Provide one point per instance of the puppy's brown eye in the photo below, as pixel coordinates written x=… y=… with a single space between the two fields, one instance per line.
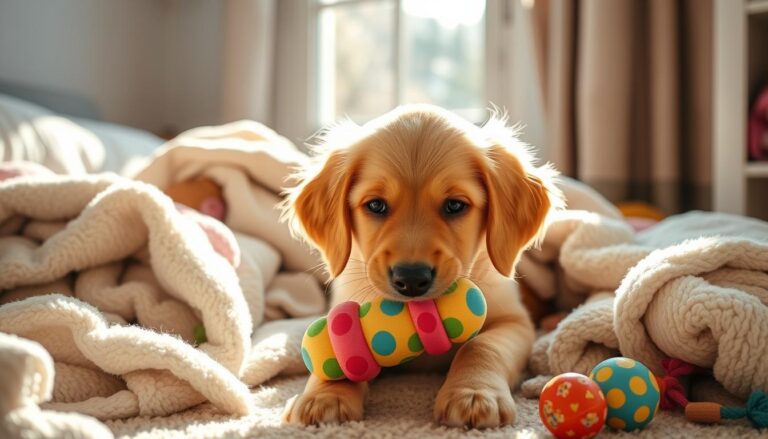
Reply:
x=377 y=206
x=453 y=207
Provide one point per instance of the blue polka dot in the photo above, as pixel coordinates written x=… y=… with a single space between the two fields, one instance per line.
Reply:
x=383 y=343
x=475 y=302
x=391 y=308
x=307 y=360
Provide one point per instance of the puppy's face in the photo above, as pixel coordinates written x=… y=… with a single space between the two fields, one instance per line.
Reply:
x=419 y=193
x=417 y=212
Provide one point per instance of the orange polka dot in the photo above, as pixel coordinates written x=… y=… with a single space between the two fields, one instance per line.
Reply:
x=615 y=398
x=603 y=374
x=617 y=423
x=654 y=383
x=642 y=413
x=637 y=386
x=626 y=363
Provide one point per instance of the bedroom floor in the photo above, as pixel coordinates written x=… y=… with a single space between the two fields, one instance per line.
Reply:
x=398 y=406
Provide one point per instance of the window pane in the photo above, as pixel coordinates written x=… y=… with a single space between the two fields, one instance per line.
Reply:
x=444 y=53
x=355 y=60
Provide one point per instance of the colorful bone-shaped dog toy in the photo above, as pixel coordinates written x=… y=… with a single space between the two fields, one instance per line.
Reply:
x=354 y=341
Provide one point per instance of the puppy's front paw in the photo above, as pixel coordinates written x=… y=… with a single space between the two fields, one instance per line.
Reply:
x=478 y=407
x=312 y=408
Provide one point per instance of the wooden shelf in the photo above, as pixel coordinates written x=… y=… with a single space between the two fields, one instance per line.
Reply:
x=757 y=6
x=757 y=169
x=740 y=68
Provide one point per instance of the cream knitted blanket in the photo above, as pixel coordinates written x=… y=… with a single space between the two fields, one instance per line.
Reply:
x=694 y=287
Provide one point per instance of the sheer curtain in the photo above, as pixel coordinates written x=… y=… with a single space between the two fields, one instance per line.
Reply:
x=627 y=96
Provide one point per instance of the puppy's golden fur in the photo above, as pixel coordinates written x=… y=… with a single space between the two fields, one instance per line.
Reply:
x=414 y=159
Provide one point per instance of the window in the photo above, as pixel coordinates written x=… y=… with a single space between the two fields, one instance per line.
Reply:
x=360 y=58
x=372 y=55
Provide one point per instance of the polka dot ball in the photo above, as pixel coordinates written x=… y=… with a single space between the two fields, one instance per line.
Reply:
x=390 y=331
x=631 y=391
x=572 y=406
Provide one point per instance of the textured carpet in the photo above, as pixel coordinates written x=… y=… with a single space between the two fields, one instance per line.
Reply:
x=398 y=407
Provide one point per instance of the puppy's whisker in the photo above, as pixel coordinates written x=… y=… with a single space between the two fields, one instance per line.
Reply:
x=363 y=280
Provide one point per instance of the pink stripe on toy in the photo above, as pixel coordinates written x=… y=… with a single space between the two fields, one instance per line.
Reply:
x=348 y=342
x=428 y=325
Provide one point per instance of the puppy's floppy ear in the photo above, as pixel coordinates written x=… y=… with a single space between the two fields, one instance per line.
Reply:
x=519 y=198
x=319 y=205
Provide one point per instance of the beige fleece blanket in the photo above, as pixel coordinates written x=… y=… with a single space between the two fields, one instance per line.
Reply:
x=694 y=287
x=137 y=279
x=122 y=246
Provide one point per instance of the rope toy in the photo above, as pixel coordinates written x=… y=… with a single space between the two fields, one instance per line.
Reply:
x=756 y=411
x=355 y=340
x=673 y=392
x=673 y=395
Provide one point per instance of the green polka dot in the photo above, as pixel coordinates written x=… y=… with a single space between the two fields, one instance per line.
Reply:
x=453 y=327
x=332 y=369
x=391 y=308
x=414 y=343
x=316 y=327
x=364 y=308
x=307 y=360
x=452 y=288
x=474 y=334
x=407 y=359
x=475 y=302
x=383 y=343
x=199 y=334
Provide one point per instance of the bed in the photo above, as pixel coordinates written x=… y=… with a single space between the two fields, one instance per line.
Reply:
x=167 y=323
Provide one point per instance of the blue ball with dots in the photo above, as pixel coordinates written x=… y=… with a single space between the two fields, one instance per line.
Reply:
x=631 y=392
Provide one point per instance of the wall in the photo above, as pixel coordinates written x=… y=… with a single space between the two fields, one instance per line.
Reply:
x=151 y=64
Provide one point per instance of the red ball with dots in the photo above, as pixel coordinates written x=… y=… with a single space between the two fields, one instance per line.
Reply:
x=572 y=406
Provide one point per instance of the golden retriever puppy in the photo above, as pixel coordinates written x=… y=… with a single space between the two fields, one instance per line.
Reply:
x=401 y=207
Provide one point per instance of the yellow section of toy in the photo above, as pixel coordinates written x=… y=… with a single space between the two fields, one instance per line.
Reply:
x=317 y=352
x=462 y=309
x=389 y=332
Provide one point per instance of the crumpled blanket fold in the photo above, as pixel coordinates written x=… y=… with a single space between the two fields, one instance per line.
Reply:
x=137 y=277
x=693 y=287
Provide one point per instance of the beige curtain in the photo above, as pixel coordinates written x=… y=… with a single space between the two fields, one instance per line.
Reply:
x=627 y=96
x=248 y=60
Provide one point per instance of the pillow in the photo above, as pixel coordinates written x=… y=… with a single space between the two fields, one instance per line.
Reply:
x=29 y=132
x=124 y=146
x=32 y=133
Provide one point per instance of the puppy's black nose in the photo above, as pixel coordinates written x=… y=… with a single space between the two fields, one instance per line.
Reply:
x=411 y=280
